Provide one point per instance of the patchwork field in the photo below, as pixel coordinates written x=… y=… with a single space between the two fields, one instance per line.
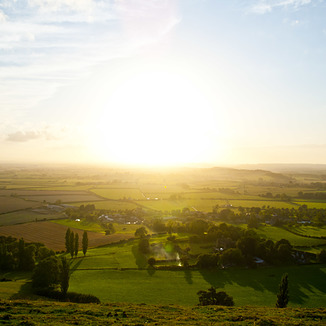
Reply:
x=9 y=204
x=53 y=235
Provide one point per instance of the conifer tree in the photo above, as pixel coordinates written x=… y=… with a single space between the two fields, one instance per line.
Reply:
x=72 y=244
x=68 y=240
x=283 y=294
x=85 y=242
x=76 y=247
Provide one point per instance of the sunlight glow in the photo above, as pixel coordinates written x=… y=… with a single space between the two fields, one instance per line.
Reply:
x=153 y=118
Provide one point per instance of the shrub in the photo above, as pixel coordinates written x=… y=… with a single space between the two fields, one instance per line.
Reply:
x=70 y=296
x=211 y=297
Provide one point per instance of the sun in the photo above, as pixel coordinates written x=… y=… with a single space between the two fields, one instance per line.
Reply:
x=154 y=117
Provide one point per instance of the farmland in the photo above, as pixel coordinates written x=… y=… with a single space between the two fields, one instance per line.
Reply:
x=39 y=206
x=52 y=234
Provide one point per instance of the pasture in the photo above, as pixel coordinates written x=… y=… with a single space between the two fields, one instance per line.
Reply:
x=119 y=193
x=275 y=233
x=307 y=285
x=115 y=205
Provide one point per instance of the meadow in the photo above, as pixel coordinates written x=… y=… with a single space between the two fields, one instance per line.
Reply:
x=248 y=287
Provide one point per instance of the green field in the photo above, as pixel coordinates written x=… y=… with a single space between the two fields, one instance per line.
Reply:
x=83 y=225
x=119 y=193
x=308 y=230
x=275 y=233
x=109 y=204
x=248 y=287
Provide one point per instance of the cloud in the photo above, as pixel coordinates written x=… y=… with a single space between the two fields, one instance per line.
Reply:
x=20 y=136
x=48 y=44
x=265 y=6
x=25 y=136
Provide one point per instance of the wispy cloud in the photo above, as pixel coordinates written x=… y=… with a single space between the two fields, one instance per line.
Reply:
x=47 y=44
x=265 y=6
x=20 y=136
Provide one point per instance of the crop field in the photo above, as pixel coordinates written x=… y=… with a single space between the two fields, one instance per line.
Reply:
x=27 y=216
x=109 y=204
x=53 y=235
x=64 y=198
x=307 y=285
x=119 y=193
x=276 y=234
x=9 y=204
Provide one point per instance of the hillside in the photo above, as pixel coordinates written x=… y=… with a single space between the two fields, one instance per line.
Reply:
x=54 y=313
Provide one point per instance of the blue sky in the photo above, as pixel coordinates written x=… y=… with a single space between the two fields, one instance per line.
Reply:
x=163 y=81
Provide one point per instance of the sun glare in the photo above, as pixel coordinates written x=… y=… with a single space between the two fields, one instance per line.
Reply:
x=153 y=118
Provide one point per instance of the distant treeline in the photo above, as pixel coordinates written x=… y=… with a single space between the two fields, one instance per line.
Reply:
x=312 y=195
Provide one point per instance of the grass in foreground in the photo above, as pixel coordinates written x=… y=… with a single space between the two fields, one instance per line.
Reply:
x=53 y=313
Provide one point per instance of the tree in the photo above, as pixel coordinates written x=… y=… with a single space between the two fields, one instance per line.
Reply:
x=67 y=240
x=64 y=279
x=76 y=247
x=46 y=273
x=321 y=257
x=151 y=261
x=141 y=232
x=143 y=245
x=211 y=297
x=85 y=242
x=72 y=244
x=283 y=294
x=207 y=261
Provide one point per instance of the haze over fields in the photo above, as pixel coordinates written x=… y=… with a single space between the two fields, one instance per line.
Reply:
x=163 y=82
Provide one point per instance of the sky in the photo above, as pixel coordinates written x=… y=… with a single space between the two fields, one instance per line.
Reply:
x=163 y=82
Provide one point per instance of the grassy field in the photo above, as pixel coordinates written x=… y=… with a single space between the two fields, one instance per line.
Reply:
x=275 y=233
x=119 y=193
x=56 y=313
x=308 y=230
x=248 y=287
x=109 y=204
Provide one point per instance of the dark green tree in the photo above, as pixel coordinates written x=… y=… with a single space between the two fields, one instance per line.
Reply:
x=211 y=297
x=67 y=240
x=46 y=273
x=85 y=242
x=321 y=257
x=141 y=232
x=72 y=244
x=151 y=261
x=65 y=276
x=283 y=294
x=143 y=245
x=76 y=246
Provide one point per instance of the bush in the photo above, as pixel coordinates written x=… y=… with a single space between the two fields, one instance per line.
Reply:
x=211 y=297
x=70 y=296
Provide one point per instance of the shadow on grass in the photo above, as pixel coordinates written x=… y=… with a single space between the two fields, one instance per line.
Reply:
x=25 y=292
x=302 y=280
x=188 y=276
x=74 y=265
x=151 y=271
